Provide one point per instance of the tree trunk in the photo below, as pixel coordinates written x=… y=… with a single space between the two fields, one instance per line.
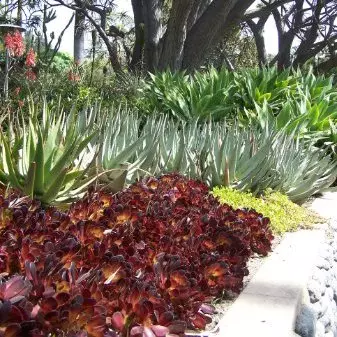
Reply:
x=261 y=48
x=19 y=13
x=137 y=54
x=194 y=29
x=257 y=29
x=79 y=34
x=303 y=52
x=327 y=65
x=198 y=8
x=152 y=10
x=236 y=14
x=286 y=38
x=173 y=45
x=285 y=41
x=284 y=56
x=209 y=30
x=114 y=59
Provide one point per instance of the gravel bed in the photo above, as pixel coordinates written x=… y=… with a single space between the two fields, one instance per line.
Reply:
x=318 y=315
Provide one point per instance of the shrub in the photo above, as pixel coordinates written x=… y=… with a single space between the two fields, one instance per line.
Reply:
x=297 y=101
x=61 y=62
x=71 y=83
x=143 y=262
x=224 y=95
x=284 y=215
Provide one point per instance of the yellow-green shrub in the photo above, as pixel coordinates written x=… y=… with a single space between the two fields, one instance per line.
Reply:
x=284 y=215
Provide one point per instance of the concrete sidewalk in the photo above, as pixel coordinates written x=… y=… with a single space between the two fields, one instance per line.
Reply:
x=269 y=305
x=326 y=205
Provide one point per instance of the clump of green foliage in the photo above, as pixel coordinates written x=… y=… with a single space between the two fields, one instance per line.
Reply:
x=61 y=62
x=284 y=215
x=299 y=102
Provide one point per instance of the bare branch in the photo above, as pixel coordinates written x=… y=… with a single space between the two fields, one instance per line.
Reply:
x=266 y=10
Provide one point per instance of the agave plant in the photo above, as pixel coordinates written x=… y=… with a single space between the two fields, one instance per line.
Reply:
x=177 y=146
x=121 y=150
x=218 y=153
x=40 y=158
x=301 y=170
x=185 y=97
x=132 y=148
x=299 y=101
x=265 y=159
x=236 y=157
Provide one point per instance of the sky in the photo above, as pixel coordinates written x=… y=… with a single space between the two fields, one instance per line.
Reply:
x=64 y=14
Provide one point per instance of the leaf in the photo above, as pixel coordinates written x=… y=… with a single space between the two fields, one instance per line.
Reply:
x=54 y=189
x=40 y=169
x=28 y=189
x=8 y=164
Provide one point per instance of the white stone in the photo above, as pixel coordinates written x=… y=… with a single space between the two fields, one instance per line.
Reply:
x=320 y=330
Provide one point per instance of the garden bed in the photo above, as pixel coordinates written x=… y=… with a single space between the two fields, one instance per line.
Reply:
x=158 y=210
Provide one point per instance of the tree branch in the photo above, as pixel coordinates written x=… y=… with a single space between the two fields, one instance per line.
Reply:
x=201 y=40
x=266 y=10
x=112 y=50
x=327 y=65
x=175 y=35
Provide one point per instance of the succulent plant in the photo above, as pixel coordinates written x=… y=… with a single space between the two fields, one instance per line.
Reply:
x=221 y=154
x=296 y=100
x=146 y=261
x=40 y=158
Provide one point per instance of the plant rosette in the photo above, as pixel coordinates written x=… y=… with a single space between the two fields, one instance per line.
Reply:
x=145 y=262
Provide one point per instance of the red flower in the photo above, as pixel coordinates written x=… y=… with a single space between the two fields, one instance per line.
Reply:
x=73 y=77
x=14 y=43
x=21 y=103
x=30 y=75
x=30 y=58
x=17 y=91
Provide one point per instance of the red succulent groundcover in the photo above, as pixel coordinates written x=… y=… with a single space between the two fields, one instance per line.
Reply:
x=144 y=262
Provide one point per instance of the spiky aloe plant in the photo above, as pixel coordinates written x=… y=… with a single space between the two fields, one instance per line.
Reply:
x=39 y=157
x=120 y=149
x=300 y=170
x=218 y=153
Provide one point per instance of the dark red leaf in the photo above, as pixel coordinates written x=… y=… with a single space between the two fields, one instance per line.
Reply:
x=15 y=289
x=5 y=309
x=138 y=262
x=159 y=330
x=48 y=304
x=13 y=330
x=118 y=321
